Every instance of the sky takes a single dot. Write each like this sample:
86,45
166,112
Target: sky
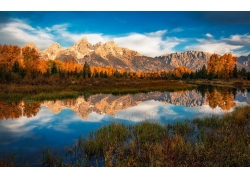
151,33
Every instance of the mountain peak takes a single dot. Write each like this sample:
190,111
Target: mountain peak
55,45
32,45
110,43
82,40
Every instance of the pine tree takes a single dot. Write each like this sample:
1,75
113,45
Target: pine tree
86,70
235,71
204,72
54,69
16,67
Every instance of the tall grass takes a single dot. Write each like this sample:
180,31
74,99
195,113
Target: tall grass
212,141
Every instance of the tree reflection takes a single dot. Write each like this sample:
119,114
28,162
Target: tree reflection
222,97
31,108
12,110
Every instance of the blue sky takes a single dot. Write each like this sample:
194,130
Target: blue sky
151,33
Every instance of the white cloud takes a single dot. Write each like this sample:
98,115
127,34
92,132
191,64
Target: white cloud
208,35
238,40
177,30
156,34
214,46
61,33
150,44
19,32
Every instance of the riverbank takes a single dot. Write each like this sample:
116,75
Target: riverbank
236,83
88,87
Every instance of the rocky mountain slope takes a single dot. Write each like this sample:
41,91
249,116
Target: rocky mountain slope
190,59
244,61
110,54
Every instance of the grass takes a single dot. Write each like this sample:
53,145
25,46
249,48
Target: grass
208,142
91,86
220,82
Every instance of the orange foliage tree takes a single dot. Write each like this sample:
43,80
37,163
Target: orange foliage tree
8,55
30,59
221,66
179,71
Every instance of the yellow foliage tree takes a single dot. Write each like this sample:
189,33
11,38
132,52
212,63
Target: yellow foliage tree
179,71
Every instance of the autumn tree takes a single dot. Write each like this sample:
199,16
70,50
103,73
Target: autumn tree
9,54
213,65
31,60
179,71
221,66
43,66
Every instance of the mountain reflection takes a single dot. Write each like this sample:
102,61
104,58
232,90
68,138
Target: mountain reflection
222,97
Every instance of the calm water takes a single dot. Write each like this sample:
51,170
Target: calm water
28,127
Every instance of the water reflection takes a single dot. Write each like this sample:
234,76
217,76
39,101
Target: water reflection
34,125
223,98
11,110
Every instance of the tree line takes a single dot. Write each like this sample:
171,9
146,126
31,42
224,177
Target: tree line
24,65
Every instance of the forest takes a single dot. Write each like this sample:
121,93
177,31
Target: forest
24,66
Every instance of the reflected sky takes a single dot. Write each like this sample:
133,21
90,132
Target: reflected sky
60,126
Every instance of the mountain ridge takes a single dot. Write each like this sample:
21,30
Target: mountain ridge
110,54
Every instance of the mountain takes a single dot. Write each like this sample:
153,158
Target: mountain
32,45
244,61
52,51
191,59
108,54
